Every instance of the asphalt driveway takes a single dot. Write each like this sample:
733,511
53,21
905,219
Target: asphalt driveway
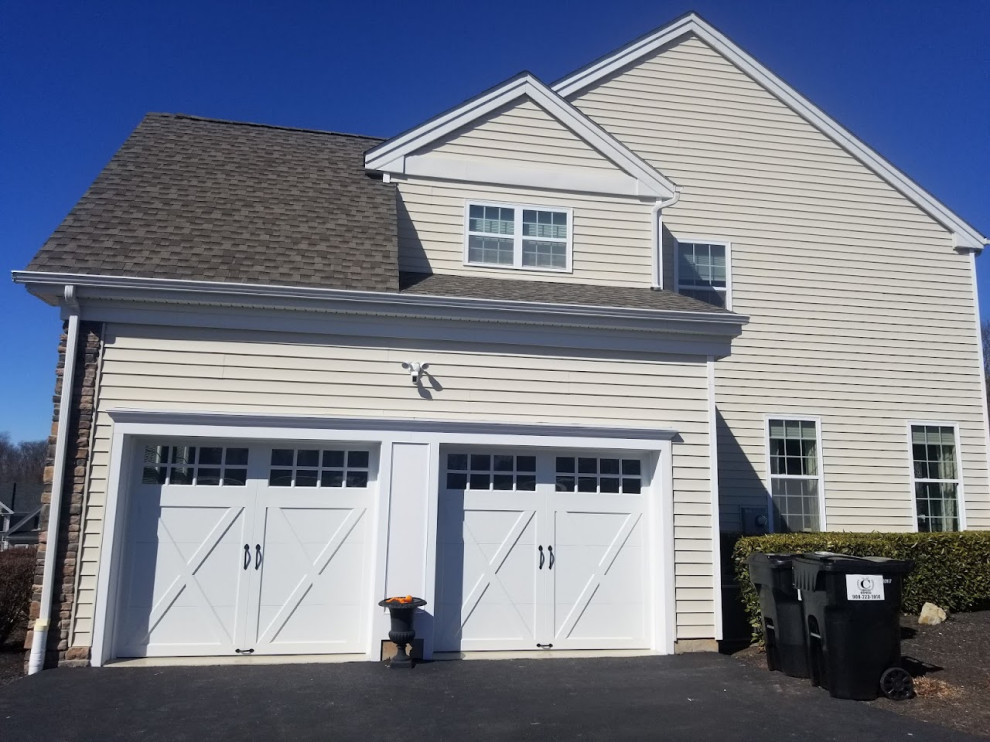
688,697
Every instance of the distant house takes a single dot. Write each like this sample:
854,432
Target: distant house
20,514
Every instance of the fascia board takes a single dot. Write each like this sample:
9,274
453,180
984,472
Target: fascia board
390,156
50,286
964,235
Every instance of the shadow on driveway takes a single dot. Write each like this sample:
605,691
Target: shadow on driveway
687,697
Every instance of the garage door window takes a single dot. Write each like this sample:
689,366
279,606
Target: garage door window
491,471
313,467
600,475
195,465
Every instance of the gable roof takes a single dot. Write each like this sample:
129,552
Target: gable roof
964,235
192,198
390,156
191,206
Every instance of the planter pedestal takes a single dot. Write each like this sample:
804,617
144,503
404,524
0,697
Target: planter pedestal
402,632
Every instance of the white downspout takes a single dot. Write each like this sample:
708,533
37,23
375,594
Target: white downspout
39,639
656,218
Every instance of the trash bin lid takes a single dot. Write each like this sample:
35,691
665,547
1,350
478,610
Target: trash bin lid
827,561
772,560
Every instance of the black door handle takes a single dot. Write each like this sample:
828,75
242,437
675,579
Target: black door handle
257,556
552,560
247,556
542,556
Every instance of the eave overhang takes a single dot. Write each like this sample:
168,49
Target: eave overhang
124,299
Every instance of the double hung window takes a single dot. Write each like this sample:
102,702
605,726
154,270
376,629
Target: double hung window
936,477
795,475
703,272
514,236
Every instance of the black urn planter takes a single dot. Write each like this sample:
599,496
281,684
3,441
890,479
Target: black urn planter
401,633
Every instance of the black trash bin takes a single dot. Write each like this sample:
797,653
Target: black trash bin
851,612
780,609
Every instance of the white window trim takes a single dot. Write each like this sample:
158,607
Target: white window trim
960,489
706,241
822,526
517,236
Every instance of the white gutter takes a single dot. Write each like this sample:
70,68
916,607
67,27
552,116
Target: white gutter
299,297
39,638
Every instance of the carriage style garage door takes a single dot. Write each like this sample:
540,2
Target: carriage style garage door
541,550
249,549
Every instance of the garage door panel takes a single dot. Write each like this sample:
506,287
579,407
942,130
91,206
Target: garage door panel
220,559
599,597
589,591
486,593
312,581
188,573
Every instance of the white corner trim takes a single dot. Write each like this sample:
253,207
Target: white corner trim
391,156
979,344
960,491
964,235
713,483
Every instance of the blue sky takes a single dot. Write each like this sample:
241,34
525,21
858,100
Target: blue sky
910,78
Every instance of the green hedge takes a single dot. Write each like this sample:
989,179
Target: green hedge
951,570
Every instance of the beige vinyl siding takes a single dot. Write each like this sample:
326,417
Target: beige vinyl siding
522,134
860,311
611,235
230,371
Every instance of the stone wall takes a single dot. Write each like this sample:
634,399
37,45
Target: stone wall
89,344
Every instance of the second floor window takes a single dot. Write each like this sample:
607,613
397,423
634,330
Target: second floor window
702,272
513,236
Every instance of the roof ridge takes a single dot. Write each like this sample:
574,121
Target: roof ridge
230,122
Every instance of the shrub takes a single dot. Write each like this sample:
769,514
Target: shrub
951,570
16,583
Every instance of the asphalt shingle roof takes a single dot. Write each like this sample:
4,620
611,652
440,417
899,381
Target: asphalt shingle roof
198,199
206,200
581,294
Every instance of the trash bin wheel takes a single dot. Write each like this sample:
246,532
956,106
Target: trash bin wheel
896,684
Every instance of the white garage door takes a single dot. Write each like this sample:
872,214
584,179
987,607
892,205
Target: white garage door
542,550
236,548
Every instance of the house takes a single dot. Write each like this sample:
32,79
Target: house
526,360
20,514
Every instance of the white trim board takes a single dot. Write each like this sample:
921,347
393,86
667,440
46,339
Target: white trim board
391,156
964,235
245,297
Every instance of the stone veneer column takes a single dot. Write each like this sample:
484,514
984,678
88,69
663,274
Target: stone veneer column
58,651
